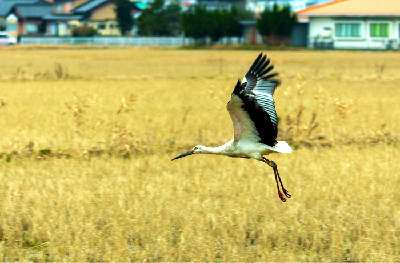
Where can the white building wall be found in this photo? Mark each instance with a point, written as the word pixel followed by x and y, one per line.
pixel 397 30
pixel 318 26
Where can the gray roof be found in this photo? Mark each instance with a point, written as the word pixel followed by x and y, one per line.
pixel 89 6
pixel 7 5
pixel 30 11
pixel 212 5
pixel 62 17
pixel 248 22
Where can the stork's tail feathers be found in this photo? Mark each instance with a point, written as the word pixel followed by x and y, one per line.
pixel 282 147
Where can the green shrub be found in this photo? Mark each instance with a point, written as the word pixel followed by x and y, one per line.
pixel 84 31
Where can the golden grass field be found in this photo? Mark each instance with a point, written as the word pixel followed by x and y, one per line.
pixel 87 135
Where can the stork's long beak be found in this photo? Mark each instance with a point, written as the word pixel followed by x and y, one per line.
pixel 183 155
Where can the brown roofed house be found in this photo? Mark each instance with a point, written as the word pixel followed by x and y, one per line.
pixel 353 24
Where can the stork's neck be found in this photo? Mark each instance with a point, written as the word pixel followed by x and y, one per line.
pixel 213 150
pixel 222 150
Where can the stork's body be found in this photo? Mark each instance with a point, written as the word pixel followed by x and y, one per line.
pixel 245 149
pixel 252 110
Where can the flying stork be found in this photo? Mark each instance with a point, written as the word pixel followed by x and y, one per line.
pixel 252 110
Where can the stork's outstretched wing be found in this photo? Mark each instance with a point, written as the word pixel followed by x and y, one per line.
pixel 252 107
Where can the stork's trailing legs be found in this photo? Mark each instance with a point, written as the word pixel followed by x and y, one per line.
pixel 273 165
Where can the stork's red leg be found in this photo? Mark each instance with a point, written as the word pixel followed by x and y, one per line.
pixel 277 177
pixel 275 167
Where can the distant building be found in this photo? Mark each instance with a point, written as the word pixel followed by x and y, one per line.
pixel 250 32
pixel 57 17
pixel 259 6
pixel 7 22
pixel 213 5
pixel 30 17
pixel 354 24
pixel 100 15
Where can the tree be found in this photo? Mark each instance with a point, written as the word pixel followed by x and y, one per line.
pixel 244 14
pixel 173 17
pixel 276 22
pixel 233 27
pixel 194 23
pixel 124 16
pixel 215 25
pixel 160 21
pixel 199 23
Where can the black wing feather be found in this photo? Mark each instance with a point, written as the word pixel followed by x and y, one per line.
pixel 260 65
pixel 268 69
pixel 261 119
pixel 260 112
pixel 255 62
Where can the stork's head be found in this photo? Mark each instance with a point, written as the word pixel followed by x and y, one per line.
pixel 196 149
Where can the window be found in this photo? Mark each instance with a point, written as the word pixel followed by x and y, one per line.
pixel 111 26
pixel 31 28
pixel 59 8
pixel 11 27
pixel 101 26
pixel 348 29
pixel 379 29
pixel 2 25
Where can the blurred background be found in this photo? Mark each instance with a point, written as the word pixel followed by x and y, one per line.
pixel 319 24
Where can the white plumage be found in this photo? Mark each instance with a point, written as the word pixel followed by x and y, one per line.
pixel 255 123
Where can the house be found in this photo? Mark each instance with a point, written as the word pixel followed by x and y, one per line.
pixel 10 23
pixel 30 17
pixel 211 5
pixel 250 32
pixel 100 15
pixel 67 14
pixel 299 31
pixel 259 6
pixel 354 24
pixel 61 19
pixel 57 17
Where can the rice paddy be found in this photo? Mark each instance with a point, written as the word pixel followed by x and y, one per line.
pixel 87 135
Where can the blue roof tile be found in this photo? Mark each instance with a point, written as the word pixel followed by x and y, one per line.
pixel 62 17
pixel 7 5
pixel 89 6
pixel 30 11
